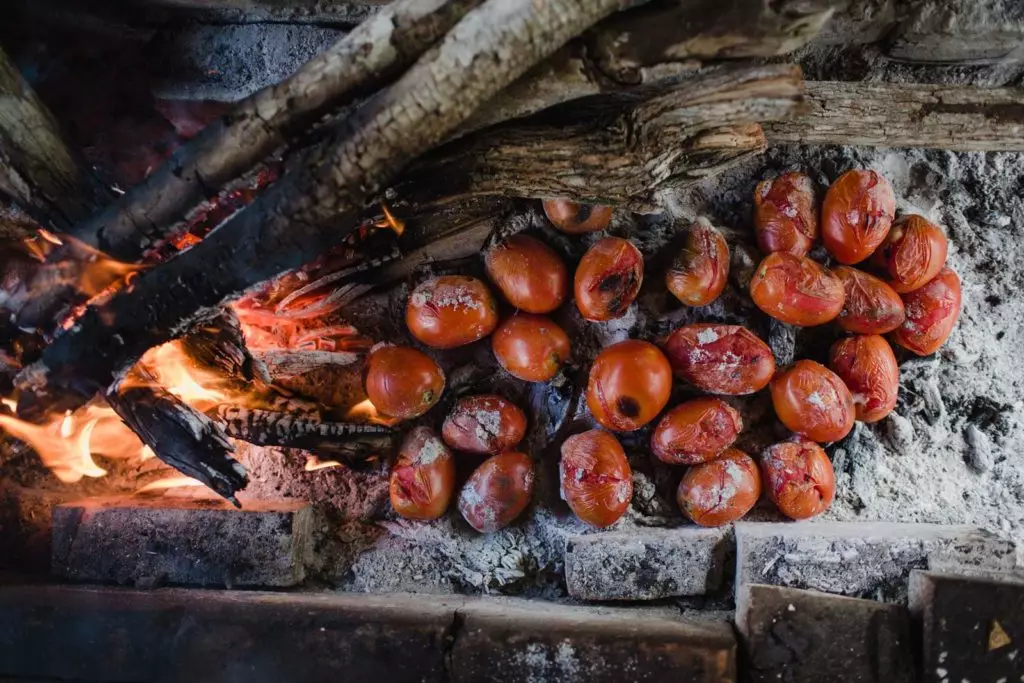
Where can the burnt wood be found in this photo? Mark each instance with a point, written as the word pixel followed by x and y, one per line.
pixel 306 431
pixel 218 344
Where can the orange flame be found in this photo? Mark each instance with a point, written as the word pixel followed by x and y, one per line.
pixel 174 370
pixel 314 463
pixel 171 482
pixel 365 411
pixel 390 221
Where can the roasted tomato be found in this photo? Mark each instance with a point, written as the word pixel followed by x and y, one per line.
pixel 423 478
pixel 630 383
pixel 530 347
pixel 576 219
pixel 484 424
pixel 608 279
pixel 786 214
pixel 450 311
pixel 857 215
pixel 402 381
pixel 912 254
pixel 871 307
pixel 497 492
pixel 720 359
pixel 796 290
pixel 720 491
pixel 696 431
pixel 867 366
pixel 799 478
pixel 932 311
pixel 700 270
pixel 812 400
pixel 597 481
pixel 529 274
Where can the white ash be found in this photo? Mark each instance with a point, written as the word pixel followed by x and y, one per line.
pixel 432 449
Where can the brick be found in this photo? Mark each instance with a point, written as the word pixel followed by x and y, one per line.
pixel 646 564
pixel 858 559
pixel 973 628
pixel 808 637
pixel 169 540
pixel 510 641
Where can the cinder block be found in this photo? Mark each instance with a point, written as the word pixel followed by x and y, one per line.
pixel 206 542
pixel 809 637
pixel 646 564
pixel 973 629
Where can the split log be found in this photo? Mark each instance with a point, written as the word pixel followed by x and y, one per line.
pixel 316 205
pixel 901 115
pixel 283 364
pixel 285 429
pixel 218 344
pixel 179 435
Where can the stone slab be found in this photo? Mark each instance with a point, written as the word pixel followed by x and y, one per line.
pixel 646 564
pixel 183 541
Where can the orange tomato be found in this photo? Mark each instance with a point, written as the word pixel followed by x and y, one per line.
pixel 871 306
pixel 596 479
pixel 932 312
pixel 497 492
pixel 701 269
pixel 867 366
pixel 530 275
pixel 912 254
pixel 857 214
pixel 576 219
pixel 720 359
pixel 721 491
pixel 796 290
pixel 450 311
pixel 484 424
pixel 812 400
pixel 402 381
pixel 423 479
pixel 786 214
pixel 608 279
pixel 696 431
pixel 530 347
pixel 799 478
pixel 630 382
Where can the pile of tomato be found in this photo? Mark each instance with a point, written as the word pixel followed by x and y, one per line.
pixel 901 287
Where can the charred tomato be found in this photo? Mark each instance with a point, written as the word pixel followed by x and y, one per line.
pixel 796 290
pixel 629 384
pixel 786 214
pixel 497 492
pixel 812 400
pixel 696 431
pixel 721 491
pixel 868 368
pixel 576 219
pixel 484 424
pixel 423 478
pixel 912 254
pixel 530 275
pixel 402 381
pixel 798 477
pixel 608 279
pixel 700 270
pixel 530 347
pixel 932 312
pixel 857 214
pixel 720 359
pixel 595 476
pixel 871 306
pixel 450 311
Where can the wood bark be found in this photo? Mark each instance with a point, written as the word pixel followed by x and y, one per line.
pixel 274 428
pixel 960 118
pixel 317 204
pixel 38 170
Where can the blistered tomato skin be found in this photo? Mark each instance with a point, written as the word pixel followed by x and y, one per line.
pixel 596 479
pixel 812 400
pixel 856 215
pixel 871 306
pixel 721 491
pixel 932 312
pixel 487 424
pixel 530 347
pixel 402 382
pixel 630 383
pixel 913 253
pixel 576 219
pixel 529 274
pixel 868 368
pixel 423 478
pixel 497 492
pixel 451 311
pixel 700 271
pixel 798 477
pixel 720 359
pixel 786 214
pixel 696 431
pixel 608 279
pixel 797 290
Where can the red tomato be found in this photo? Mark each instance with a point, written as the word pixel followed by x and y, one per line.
pixel 721 491
pixel 812 400
pixel 450 311
pixel 700 271
pixel 630 383
pixel 721 359
pixel 484 424
pixel 857 215
pixel 912 254
pixel 696 431
pixel 423 478
pixel 786 214
pixel 577 219
pixel 608 279
pixel 595 476
pixel 867 366
pixel 796 290
pixel 528 273
pixel 402 381
pixel 799 479
pixel 871 306
pixel 932 312
pixel 497 492
pixel 530 347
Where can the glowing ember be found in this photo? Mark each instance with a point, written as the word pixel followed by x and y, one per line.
pixel 11 404
pixel 174 371
pixel 314 463
pixel 391 221
pixel 172 482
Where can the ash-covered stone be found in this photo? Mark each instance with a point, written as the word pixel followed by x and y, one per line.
pixel 979 450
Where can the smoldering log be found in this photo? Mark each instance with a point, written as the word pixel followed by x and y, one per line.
pixel 218 344
pixel 179 435
pixel 317 204
pixel 289 430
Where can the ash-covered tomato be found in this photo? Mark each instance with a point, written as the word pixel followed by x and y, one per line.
pixel 932 312
pixel 912 254
pixel 796 290
pixel 856 215
pixel 868 368
pixel 576 219
pixel 798 477
pixel 786 214
pixel 530 347
pixel 608 279
pixel 720 359
pixel 450 311
pixel 497 492
pixel 423 479
pixel 630 382
pixel 484 424
pixel 530 275
pixel 721 491
pixel 700 270
pixel 596 479
pixel 812 400
pixel 402 381
pixel 696 431
pixel 871 306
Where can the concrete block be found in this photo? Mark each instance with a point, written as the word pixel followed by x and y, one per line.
pixel 124 539
pixel 809 637
pixel 646 564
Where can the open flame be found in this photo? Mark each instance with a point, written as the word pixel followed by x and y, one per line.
pixel 314 463
pixel 171 482
pixel 174 371
pixel 365 411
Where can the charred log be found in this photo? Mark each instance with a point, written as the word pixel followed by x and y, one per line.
pixel 218 344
